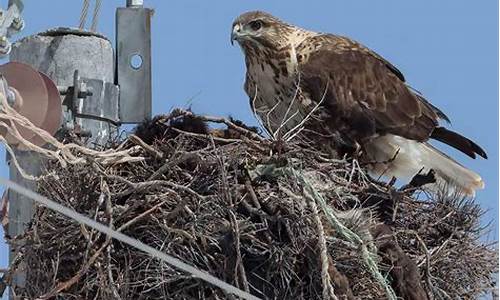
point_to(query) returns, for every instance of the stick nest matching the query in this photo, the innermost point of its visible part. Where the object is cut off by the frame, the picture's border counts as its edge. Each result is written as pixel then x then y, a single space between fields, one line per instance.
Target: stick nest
pixel 248 211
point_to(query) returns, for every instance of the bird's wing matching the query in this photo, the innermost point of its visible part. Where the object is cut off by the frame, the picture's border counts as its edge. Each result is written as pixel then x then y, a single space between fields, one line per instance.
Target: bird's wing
pixel 362 89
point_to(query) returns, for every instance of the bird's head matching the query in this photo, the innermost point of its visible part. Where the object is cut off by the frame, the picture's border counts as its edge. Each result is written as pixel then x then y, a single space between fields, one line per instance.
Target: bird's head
pixel 257 29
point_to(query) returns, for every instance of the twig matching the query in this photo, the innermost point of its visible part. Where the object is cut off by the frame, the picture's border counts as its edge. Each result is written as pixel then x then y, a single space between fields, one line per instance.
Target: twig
pixel 428 276
pixel 83 270
pixel 140 216
pixel 229 124
pixel 173 162
pixel 136 140
pixel 296 130
pixel 206 136
pixel 253 196
pixel 239 268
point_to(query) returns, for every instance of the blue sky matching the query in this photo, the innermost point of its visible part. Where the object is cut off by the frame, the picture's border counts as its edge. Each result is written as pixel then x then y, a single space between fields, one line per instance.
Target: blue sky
pixel 447 49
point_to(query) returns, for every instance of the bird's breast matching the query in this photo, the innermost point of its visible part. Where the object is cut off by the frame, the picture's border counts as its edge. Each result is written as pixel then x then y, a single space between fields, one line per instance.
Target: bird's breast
pixel 275 95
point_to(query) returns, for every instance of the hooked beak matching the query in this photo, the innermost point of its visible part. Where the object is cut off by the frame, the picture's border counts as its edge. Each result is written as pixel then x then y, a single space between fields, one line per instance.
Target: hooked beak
pixel 235 33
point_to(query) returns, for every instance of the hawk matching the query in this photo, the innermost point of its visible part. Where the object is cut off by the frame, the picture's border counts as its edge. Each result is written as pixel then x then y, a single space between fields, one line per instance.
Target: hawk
pixel 331 91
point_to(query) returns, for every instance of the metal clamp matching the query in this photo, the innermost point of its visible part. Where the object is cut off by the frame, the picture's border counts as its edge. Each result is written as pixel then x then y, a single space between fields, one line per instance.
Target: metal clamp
pixel 78 90
pixel 92 99
pixel 10 23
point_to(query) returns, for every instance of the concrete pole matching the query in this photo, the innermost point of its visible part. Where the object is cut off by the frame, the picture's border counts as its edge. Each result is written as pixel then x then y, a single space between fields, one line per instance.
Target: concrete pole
pixel 58 53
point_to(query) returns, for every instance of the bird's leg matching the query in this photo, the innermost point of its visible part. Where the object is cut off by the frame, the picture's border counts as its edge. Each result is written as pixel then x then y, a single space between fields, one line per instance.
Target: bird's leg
pixel 358 151
pixel 394 157
pixel 347 147
pixel 420 180
pixel 353 151
pixel 372 162
pixel 392 181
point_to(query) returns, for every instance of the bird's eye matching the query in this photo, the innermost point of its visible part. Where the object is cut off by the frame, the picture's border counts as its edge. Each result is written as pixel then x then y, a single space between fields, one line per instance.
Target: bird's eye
pixel 255 25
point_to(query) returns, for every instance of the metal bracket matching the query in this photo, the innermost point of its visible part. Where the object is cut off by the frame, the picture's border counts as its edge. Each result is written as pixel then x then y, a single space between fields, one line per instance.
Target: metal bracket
pixel 101 103
pixel 133 61
pixel 72 95
pixel 92 99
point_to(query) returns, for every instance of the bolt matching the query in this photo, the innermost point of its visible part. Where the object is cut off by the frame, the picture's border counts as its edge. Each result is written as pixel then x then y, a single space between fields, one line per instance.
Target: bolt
pixel 11 97
pixel 64 90
pixel 3 41
pixel 84 94
pixel 5 46
pixel 17 24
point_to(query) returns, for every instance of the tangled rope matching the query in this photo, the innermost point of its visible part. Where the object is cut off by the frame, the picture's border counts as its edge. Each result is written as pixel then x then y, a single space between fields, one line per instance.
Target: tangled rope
pixel 369 257
pixel 10 123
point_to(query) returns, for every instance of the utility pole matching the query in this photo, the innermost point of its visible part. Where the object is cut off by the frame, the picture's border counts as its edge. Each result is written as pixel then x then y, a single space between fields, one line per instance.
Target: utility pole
pixel 96 94
pixel 60 54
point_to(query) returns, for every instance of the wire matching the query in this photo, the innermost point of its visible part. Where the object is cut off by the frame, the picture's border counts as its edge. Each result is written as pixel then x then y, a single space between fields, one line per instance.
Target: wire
pixel 95 17
pixel 83 14
pixel 126 239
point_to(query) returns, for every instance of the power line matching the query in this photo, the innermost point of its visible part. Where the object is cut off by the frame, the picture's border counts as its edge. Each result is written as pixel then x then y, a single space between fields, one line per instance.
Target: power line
pixel 95 17
pixel 83 14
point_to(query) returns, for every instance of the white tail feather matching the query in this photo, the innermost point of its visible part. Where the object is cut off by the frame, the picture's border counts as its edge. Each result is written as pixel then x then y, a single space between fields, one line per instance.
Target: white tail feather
pixel 404 158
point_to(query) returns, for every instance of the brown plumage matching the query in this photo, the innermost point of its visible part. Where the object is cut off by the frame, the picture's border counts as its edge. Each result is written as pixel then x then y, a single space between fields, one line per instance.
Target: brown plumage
pixel 330 90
